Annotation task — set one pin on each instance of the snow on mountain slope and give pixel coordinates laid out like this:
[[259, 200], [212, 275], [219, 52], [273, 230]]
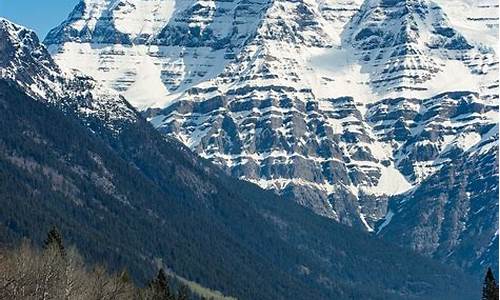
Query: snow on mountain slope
[[115, 21], [29, 64], [338, 105], [476, 20], [453, 214], [107, 40]]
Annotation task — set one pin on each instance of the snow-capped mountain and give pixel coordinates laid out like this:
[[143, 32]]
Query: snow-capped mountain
[[338, 105], [25, 60], [124, 193], [171, 45]]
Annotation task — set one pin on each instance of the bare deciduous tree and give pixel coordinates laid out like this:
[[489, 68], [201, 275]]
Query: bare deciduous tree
[[27, 274], [53, 274]]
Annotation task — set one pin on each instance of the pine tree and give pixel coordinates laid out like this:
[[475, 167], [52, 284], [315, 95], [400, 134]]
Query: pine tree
[[160, 287], [54, 239], [490, 287]]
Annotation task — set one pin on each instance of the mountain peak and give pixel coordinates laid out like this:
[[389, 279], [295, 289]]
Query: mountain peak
[[21, 45], [24, 60], [407, 46], [393, 23], [26, 63], [215, 24], [12, 29], [113, 21]]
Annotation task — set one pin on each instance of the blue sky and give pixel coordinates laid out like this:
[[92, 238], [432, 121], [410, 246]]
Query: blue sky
[[39, 15]]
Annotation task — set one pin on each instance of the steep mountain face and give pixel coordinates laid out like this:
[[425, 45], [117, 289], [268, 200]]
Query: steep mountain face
[[453, 214], [27, 63], [337, 105], [70, 155], [171, 45]]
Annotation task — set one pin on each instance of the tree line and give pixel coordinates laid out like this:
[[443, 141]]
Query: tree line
[[57, 273], [54, 273]]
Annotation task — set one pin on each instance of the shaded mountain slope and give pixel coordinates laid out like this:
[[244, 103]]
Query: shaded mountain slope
[[453, 215]]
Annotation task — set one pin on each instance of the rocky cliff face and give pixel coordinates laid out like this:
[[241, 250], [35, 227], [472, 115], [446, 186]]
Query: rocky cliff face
[[338, 105], [25, 61], [453, 214]]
